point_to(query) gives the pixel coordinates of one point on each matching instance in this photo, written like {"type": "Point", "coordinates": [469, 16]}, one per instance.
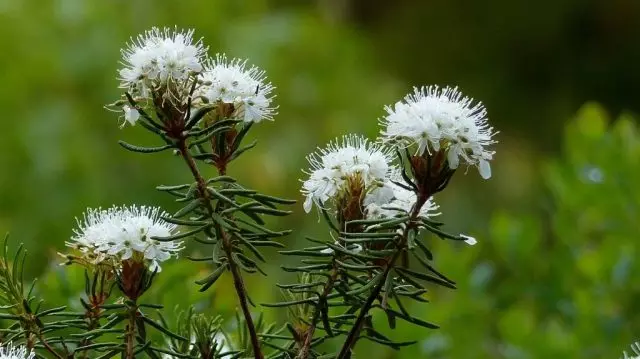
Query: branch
{"type": "Point", "coordinates": [352, 337]}
{"type": "Point", "coordinates": [48, 346]}
{"type": "Point", "coordinates": [130, 336]}
{"type": "Point", "coordinates": [227, 247]}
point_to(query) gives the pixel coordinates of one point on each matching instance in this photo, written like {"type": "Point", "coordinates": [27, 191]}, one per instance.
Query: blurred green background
{"type": "Point", "coordinates": [554, 272]}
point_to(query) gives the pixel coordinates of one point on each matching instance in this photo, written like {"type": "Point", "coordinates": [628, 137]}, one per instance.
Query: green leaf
{"type": "Point", "coordinates": [212, 278]}
{"type": "Point", "coordinates": [163, 329]}
{"type": "Point", "coordinates": [141, 149]}
{"type": "Point", "coordinates": [188, 208]}
{"type": "Point", "coordinates": [425, 277]}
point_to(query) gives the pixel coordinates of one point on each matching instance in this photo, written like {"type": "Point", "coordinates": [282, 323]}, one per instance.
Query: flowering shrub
{"type": "Point", "coordinates": [376, 197]}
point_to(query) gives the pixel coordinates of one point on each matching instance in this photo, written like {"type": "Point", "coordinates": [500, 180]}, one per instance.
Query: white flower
{"type": "Point", "coordinates": [161, 59]}
{"type": "Point", "coordinates": [469, 240]}
{"type": "Point", "coordinates": [434, 119]}
{"type": "Point", "coordinates": [120, 233]}
{"type": "Point", "coordinates": [131, 115]}
{"type": "Point", "coordinates": [331, 168]}
{"type": "Point", "coordinates": [636, 350]}
{"type": "Point", "coordinates": [233, 82]}
{"type": "Point", "coordinates": [8, 351]}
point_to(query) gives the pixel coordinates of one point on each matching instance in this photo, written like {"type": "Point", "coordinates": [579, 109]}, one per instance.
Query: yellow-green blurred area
{"type": "Point", "coordinates": [554, 274]}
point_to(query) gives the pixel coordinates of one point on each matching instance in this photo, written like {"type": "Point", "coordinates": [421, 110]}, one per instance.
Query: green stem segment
{"type": "Point", "coordinates": [227, 246]}
{"type": "Point", "coordinates": [352, 337]}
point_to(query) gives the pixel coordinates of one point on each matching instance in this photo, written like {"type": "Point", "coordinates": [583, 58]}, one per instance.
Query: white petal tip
{"type": "Point", "coordinates": [469, 240]}
{"type": "Point", "coordinates": [307, 204]}
{"type": "Point", "coordinates": [485, 169]}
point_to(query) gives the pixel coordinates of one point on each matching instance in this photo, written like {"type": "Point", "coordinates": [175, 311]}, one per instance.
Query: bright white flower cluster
{"type": "Point", "coordinates": [435, 119]}
{"type": "Point", "coordinates": [166, 60]}
{"type": "Point", "coordinates": [636, 351]}
{"type": "Point", "coordinates": [161, 59]}
{"type": "Point", "coordinates": [233, 82]}
{"type": "Point", "coordinates": [120, 233]}
{"type": "Point", "coordinates": [8, 351]}
{"type": "Point", "coordinates": [331, 168]}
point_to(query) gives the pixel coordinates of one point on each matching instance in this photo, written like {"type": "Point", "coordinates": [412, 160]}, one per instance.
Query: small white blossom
{"type": "Point", "coordinates": [161, 59]}
{"type": "Point", "coordinates": [635, 347]}
{"type": "Point", "coordinates": [469, 240]}
{"type": "Point", "coordinates": [233, 82]}
{"type": "Point", "coordinates": [120, 233]}
{"type": "Point", "coordinates": [131, 115]}
{"type": "Point", "coordinates": [8, 351]}
{"type": "Point", "coordinates": [434, 119]}
{"type": "Point", "coordinates": [331, 168]}
{"type": "Point", "coordinates": [393, 200]}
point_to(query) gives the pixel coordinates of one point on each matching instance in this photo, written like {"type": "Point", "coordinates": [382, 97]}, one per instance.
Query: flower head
{"type": "Point", "coordinates": [435, 119]}
{"type": "Point", "coordinates": [8, 351]}
{"type": "Point", "coordinates": [122, 233]}
{"type": "Point", "coordinates": [233, 82]}
{"type": "Point", "coordinates": [161, 60]}
{"type": "Point", "coordinates": [333, 167]}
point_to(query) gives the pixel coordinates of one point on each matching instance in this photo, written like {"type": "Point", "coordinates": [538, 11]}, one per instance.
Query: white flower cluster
{"type": "Point", "coordinates": [120, 233]}
{"type": "Point", "coordinates": [168, 62]}
{"type": "Point", "coordinates": [160, 59]}
{"type": "Point", "coordinates": [435, 119]}
{"type": "Point", "coordinates": [430, 119]}
{"type": "Point", "coordinates": [8, 351]}
{"type": "Point", "coordinates": [331, 168]}
{"type": "Point", "coordinates": [233, 82]}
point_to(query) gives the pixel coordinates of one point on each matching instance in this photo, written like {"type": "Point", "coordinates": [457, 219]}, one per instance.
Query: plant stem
{"type": "Point", "coordinates": [352, 337]}
{"type": "Point", "coordinates": [49, 347]}
{"type": "Point", "coordinates": [130, 336]}
{"type": "Point", "coordinates": [227, 246]}
{"type": "Point", "coordinates": [303, 353]}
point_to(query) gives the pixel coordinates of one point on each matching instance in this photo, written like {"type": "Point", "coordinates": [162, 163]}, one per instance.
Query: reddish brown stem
{"type": "Point", "coordinates": [227, 246]}
{"type": "Point", "coordinates": [130, 335]}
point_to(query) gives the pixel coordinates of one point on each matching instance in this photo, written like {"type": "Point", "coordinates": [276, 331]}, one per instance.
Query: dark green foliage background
{"type": "Point", "coordinates": [554, 272]}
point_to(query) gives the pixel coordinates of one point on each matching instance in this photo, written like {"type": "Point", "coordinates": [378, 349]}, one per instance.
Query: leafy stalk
{"type": "Point", "coordinates": [352, 337]}
{"type": "Point", "coordinates": [130, 335]}
{"type": "Point", "coordinates": [227, 245]}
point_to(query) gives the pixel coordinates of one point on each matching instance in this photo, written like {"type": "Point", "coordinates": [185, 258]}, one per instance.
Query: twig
{"type": "Point", "coordinates": [227, 246]}
{"type": "Point", "coordinates": [130, 337]}
{"type": "Point", "coordinates": [48, 346]}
